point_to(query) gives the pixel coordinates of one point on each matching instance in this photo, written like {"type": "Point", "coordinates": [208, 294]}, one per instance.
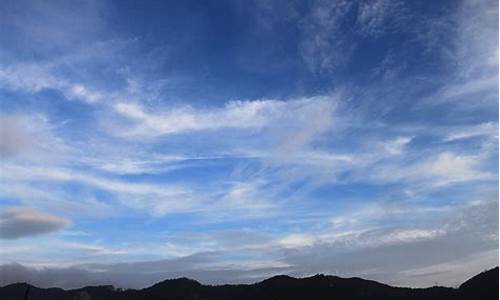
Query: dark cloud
{"type": "Point", "coordinates": [23, 222]}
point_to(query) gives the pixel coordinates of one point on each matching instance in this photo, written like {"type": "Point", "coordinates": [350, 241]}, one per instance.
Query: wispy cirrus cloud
{"type": "Point", "coordinates": [243, 115]}
{"type": "Point", "coordinates": [34, 78]}
{"type": "Point", "coordinates": [486, 130]}
{"type": "Point", "coordinates": [443, 168]}
{"type": "Point", "coordinates": [378, 17]}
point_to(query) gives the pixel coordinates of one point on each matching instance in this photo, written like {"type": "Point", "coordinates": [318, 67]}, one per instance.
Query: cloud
{"type": "Point", "coordinates": [453, 271]}
{"type": "Point", "coordinates": [245, 194]}
{"type": "Point", "coordinates": [488, 130]}
{"type": "Point", "coordinates": [477, 41]}
{"type": "Point", "coordinates": [467, 237]}
{"type": "Point", "coordinates": [34, 78]}
{"type": "Point", "coordinates": [325, 44]}
{"type": "Point", "coordinates": [54, 22]}
{"type": "Point", "coordinates": [473, 57]}
{"type": "Point", "coordinates": [242, 115]}
{"type": "Point", "coordinates": [28, 77]}
{"type": "Point", "coordinates": [13, 137]}
{"type": "Point", "coordinates": [298, 240]}
{"type": "Point", "coordinates": [25, 222]}
{"type": "Point", "coordinates": [28, 136]}
{"type": "Point", "coordinates": [53, 199]}
{"type": "Point", "coordinates": [397, 145]}
{"type": "Point", "coordinates": [384, 254]}
{"type": "Point", "coordinates": [46, 277]}
{"type": "Point", "coordinates": [122, 276]}
{"type": "Point", "coordinates": [377, 17]}
{"type": "Point", "coordinates": [450, 167]}
{"type": "Point", "coordinates": [237, 199]}
{"type": "Point", "coordinates": [157, 199]}
{"type": "Point", "coordinates": [322, 45]}
{"type": "Point", "coordinates": [469, 88]}
{"type": "Point", "coordinates": [438, 170]}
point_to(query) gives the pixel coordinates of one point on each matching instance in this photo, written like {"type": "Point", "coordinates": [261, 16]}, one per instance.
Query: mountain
{"type": "Point", "coordinates": [483, 286]}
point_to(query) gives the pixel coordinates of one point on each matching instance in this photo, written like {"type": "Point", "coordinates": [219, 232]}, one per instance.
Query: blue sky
{"type": "Point", "coordinates": [229, 141]}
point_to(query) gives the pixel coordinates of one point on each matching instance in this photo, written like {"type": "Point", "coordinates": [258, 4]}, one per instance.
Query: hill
{"type": "Point", "coordinates": [483, 286]}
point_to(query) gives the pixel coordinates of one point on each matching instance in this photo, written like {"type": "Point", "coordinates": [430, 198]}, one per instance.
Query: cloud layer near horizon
{"type": "Point", "coordinates": [348, 254]}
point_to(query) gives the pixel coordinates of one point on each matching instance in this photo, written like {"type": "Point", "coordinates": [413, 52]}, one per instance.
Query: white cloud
{"type": "Point", "coordinates": [235, 114]}
{"type": "Point", "coordinates": [489, 130]}
{"type": "Point", "coordinates": [376, 17]}
{"type": "Point", "coordinates": [29, 137]}
{"type": "Point", "coordinates": [20, 173]}
{"type": "Point", "coordinates": [477, 40]}
{"type": "Point", "coordinates": [139, 165]}
{"type": "Point", "coordinates": [473, 56]}
{"type": "Point", "coordinates": [13, 137]}
{"type": "Point", "coordinates": [411, 235]}
{"type": "Point", "coordinates": [325, 44]}
{"type": "Point", "coordinates": [33, 78]}
{"type": "Point", "coordinates": [322, 46]}
{"type": "Point", "coordinates": [365, 237]}
{"type": "Point", "coordinates": [297, 240]}
{"type": "Point", "coordinates": [238, 114]}
{"type": "Point", "coordinates": [157, 199]}
{"type": "Point", "coordinates": [56, 200]}
{"type": "Point", "coordinates": [81, 92]}
{"type": "Point", "coordinates": [383, 253]}
{"type": "Point", "coordinates": [452, 168]}
{"type": "Point", "coordinates": [449, 273]}
{"type": "Point", "coordinates": [469, 88]}
{"type": "Point", "coordinates": [437, 170]}
{"type": "Point", "coordinates": [242, 193]}
{"type": "Point", "coordinates": [29, 77]}
{"type": "Point", "coordinates": [397, 145]}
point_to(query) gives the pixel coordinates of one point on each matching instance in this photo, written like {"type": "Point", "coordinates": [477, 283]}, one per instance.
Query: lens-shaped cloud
{"type": "Point", "coordinates": [24, 222]}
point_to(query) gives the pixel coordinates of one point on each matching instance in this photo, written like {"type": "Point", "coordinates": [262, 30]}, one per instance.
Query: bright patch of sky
{"type": "Point", "coordinates": [228, 141]}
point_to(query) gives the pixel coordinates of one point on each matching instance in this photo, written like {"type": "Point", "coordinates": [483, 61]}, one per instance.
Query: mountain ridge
{"type": "Point", "coordinates": [481, 286]}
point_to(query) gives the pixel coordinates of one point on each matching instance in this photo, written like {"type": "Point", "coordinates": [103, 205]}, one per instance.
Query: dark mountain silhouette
{"type": "Point", "coordinates": [481, 287]}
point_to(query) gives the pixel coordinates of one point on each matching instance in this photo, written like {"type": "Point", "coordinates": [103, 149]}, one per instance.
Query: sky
{"type": "Point", "coordinates": [230, 141]}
